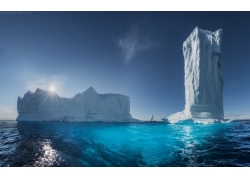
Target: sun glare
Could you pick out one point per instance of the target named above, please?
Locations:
(52, 88)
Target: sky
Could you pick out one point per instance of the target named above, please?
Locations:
(137, 54)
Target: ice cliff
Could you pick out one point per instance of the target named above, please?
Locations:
(203, 77)
(83, 107)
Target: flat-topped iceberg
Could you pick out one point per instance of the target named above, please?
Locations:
(203, 77)
(88, 106)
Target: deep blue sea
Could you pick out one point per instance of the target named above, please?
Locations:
(124, 144)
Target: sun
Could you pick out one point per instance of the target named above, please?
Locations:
(52, 88)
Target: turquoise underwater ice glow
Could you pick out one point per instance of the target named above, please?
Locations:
(124, 144)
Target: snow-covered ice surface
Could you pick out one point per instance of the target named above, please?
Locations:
(203, 78)
(83, 107)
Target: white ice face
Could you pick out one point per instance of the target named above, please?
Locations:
(203, 76)
(86, 106)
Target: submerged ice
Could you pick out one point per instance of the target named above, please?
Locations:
(87, 106)
(203, 77)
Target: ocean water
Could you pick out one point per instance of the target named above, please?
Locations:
(124, 144)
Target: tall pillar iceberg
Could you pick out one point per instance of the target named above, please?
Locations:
(203, 76)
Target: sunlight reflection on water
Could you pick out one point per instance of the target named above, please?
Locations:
(49, 156)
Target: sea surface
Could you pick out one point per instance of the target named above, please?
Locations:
(124, 144)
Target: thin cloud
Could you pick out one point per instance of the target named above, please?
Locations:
(243, 115)
(1, 53)
(228, 99)
(234, 84)
(132, 43)
(7, 113)
(234, 115)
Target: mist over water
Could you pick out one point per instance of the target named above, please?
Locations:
(124, 144)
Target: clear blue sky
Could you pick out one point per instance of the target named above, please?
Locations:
(138, 54)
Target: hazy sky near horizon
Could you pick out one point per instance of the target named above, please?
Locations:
(138, 54)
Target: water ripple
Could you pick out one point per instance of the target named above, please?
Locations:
(124, 144)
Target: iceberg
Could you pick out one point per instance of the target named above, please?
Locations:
(88, 106)
(203, 77)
